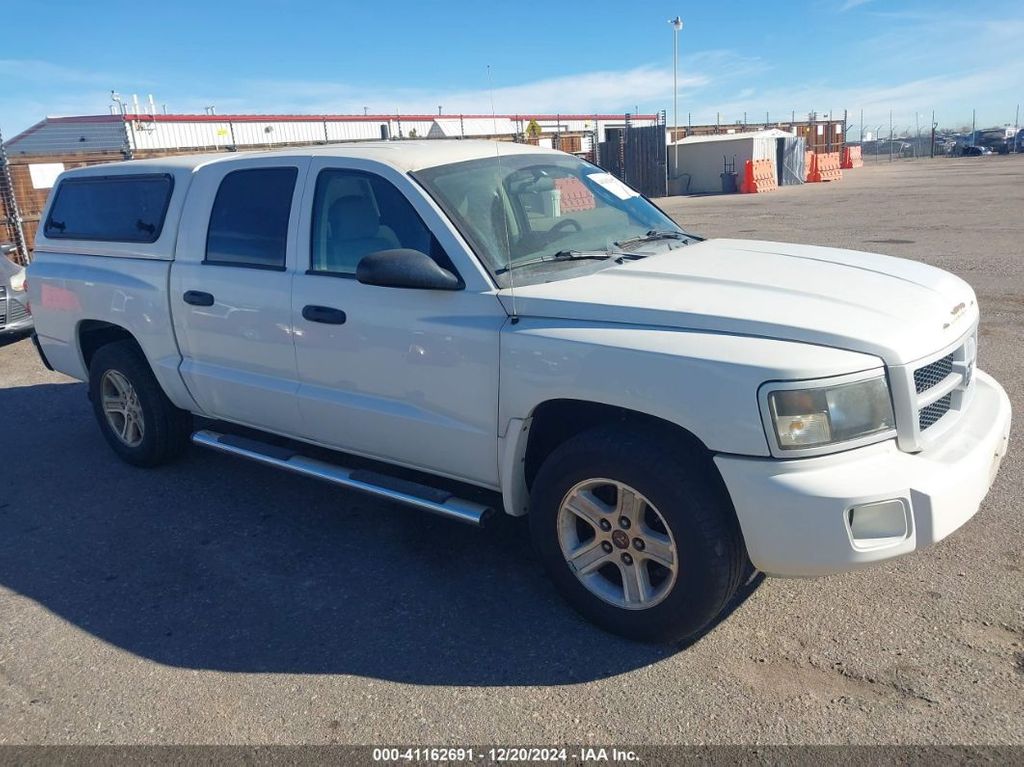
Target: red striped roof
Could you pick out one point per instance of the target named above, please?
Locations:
(335, 118)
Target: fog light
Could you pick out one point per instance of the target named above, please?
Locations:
(879, 524)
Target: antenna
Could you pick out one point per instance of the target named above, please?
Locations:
(490, 93)
(501, 202)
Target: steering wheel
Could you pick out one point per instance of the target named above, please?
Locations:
(563, 224)
(528, 241)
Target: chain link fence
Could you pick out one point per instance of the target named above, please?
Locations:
(915, 144)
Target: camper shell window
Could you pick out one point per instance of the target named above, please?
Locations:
(121, 208)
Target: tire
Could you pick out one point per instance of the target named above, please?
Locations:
(164, 430)
(676, 482)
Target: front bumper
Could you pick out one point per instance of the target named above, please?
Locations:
(795, 514)
(14, 314)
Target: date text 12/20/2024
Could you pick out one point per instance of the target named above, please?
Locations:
(387, 755)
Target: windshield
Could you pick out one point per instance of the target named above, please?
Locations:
(556, 207)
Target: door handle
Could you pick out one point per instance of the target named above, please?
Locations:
(198, 298)
(324, 314)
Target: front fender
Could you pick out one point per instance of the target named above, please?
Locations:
(703, 382)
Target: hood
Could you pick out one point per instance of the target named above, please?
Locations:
(893, 308)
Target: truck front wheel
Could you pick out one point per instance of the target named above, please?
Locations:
(635, 533)
(134, 414)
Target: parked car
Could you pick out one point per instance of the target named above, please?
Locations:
(14, 313)
(975, 151)
(670, 412)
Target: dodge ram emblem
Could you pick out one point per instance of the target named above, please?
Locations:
(956, 312)
(620, 539)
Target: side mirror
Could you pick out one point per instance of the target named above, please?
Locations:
(405, 268)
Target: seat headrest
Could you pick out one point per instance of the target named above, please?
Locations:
(353, 217)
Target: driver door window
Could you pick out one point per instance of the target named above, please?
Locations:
(356, 214)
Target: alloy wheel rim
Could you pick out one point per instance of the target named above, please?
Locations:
(122, 408)
(617, 544)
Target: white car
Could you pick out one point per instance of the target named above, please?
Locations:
(670, 412)
(14, 314)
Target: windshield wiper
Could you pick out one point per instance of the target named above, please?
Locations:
(655, 234)
(564, 255)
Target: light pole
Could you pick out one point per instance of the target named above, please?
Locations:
(677, 24)
(890, 135)
(1016, 131)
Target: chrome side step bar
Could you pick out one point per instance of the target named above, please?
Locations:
(373, 483)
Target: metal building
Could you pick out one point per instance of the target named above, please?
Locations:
(147, 132)
(33, 159)
(696, 163)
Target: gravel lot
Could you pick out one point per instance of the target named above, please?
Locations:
(217, 602)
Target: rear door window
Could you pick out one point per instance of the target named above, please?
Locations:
(122, 208)
(249, 220)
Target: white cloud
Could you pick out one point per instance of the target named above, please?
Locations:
(849, 5)
(586, 92)
(49, 75)
(950, 97)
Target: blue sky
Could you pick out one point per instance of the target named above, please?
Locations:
(312, 57)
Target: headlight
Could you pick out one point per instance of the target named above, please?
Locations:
(18, 281)
(829, 413)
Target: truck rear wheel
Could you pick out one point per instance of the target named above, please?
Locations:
(635, 535)
(134, 414)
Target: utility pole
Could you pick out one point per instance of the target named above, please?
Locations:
(974, 127)
(934, 126)
(677, 25)
(862, 128)
(1016, 130)
(890, 135)
(662, 120)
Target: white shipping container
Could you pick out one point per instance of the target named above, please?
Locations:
(696, 163)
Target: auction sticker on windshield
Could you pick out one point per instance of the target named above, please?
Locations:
(613, 185)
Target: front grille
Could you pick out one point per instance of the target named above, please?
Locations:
(933, 412)
(929, 378)
(3, 306)
(933, 374)
(16, 312)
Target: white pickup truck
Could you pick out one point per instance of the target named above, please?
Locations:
(670, 412)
